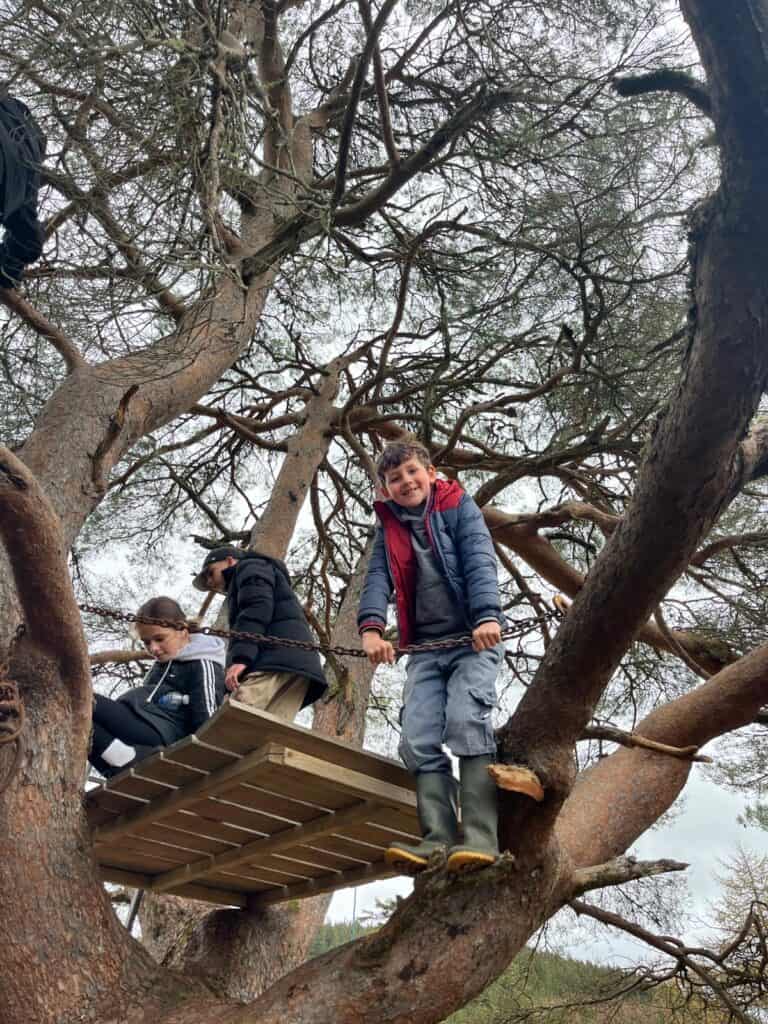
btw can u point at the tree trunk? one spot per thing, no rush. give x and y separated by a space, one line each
240 953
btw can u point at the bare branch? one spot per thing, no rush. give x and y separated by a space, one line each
633 739
671 947
118 656
620 870
381 85
24 309
350 113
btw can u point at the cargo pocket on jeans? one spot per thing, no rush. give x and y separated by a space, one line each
483 703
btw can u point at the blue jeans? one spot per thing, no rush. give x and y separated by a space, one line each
449 697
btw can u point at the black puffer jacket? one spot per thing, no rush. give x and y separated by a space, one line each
197 671
22 150
260 600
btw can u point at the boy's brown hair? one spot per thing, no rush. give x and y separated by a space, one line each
398 452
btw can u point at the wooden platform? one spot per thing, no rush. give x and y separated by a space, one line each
251 810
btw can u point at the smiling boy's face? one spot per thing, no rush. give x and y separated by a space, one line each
409 483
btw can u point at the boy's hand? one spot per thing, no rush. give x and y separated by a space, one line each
379 650
231 679
485 636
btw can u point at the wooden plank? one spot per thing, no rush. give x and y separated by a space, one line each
315 793
207 894
352 852
167 772
143 862
274 876
191 753
246 886
138 847
237 727
404 822
139 788
366 833
119 876
214 891
322 858
346 780
206 828
228 814
376 835
184 840
280 804
228 811
210 894
315 887
99 815
218 781
309 865
115 803
156 768
254 852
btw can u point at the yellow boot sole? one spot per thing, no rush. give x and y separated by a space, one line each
468 860
403 861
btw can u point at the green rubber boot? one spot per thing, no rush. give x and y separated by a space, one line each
479 816
436 805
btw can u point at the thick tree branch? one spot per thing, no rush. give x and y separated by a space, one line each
737 540
31 534
623 794
666 80
545 559
24 309
730 40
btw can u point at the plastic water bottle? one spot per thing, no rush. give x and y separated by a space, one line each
174 699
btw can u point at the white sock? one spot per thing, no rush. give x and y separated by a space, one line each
118 753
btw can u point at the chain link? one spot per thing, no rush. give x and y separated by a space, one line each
519 627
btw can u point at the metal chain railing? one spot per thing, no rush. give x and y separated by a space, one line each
517 628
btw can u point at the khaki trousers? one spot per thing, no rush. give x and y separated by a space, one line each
278 693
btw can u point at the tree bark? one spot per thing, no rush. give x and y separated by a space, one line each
240 953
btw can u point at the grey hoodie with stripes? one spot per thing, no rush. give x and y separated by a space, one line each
197 672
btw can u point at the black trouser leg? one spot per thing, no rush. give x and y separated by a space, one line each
115 721
118 722
22 245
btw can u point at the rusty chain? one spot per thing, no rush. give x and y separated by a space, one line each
519 627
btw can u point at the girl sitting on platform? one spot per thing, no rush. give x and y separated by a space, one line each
180 692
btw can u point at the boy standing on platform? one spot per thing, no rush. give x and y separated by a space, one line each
434 550
260 600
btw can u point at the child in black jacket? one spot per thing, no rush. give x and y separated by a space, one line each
261 601
180 692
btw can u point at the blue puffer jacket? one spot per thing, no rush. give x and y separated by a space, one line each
463 551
